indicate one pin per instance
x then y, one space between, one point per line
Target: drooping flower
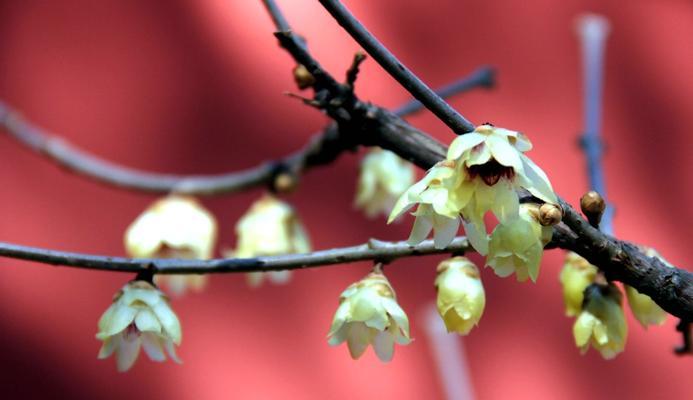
602 323
140 316
645 310
461 298
517 245
269 228
577 274
483 171
368 313
174 227
384 177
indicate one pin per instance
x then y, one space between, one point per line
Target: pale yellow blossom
174 227
645 310
602 323
577 274
368 313
269 228
517 245
460 294
383 178
140 316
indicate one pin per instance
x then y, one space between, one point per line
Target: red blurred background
196 87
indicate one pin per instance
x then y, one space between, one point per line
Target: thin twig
83 163
373 250
394 67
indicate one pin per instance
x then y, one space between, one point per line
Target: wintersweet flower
140 316
461 298
483 171
645 310
437 209
602 323
577 274
174 227
517 245
269 228
384 177
368 313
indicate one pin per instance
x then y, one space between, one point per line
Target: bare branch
373 250
394 67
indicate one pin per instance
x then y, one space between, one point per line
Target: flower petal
127 350
152 346
422 227
463 143
384 345
146 321
445 230
536 181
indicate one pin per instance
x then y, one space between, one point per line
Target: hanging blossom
482 173
140 316
460 294
269 228
601 322
577 274
517 245
383 178
645 310
368 313
174 227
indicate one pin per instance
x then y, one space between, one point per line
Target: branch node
685 328
353 71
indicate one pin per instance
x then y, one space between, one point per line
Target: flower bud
285 182
577 274
645 310
304 79
368 313
461 298
517 245
602 323
550 214
593 205
383 178
269 228
174 227
140 316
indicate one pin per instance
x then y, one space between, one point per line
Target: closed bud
140 316
602 323
592 205
174 227
577 274
285 182
270 228
304 79
368 314
460 294
550 214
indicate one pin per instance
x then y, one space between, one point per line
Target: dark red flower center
491 172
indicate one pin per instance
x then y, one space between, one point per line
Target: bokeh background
196 87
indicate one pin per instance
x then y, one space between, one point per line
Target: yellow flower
483 171
140 316
270 228
575 276
384 177
461 298
368 313
645 310
602 323
174 227
517 245
437 208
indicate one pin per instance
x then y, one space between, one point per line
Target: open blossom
461 298
482 173
602 323
368 313
174 227
269 228
645 310
577 274
517 245
384 177
140 316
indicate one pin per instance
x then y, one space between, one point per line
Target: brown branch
376 250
